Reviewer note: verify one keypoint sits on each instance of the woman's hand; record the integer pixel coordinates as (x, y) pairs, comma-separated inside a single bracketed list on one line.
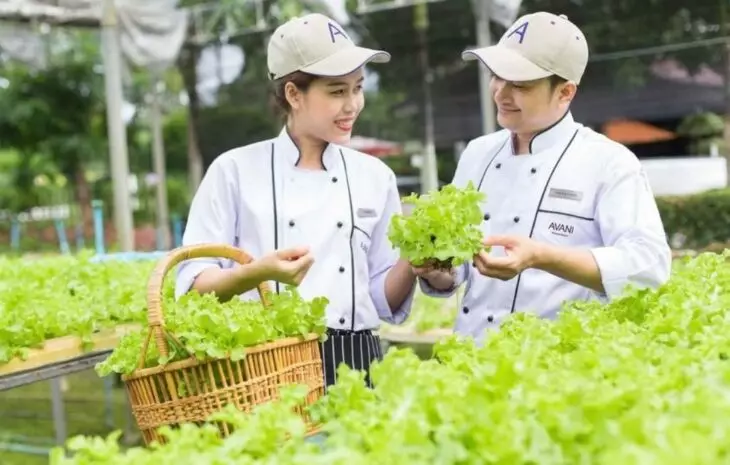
[(287, 266), (436, 278)]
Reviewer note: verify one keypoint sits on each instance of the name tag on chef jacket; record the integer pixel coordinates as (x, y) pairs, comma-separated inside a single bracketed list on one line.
[(565, 194), (366, 213)]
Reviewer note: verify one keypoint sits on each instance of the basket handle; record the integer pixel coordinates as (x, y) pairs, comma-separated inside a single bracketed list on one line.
[(155, 317)]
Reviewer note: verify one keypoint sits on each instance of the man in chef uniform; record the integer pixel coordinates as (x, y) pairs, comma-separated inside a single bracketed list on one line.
[(569, 214)]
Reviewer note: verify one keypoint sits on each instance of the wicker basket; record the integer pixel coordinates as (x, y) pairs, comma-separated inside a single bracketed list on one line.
[(190, 390)]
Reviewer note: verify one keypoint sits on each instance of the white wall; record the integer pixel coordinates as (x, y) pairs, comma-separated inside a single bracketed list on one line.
[(685, 175)]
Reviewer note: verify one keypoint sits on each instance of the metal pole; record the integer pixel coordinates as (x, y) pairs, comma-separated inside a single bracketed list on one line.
[(119, 160), (725, 28), (177, 232), (15, 234), (429, 167), (97, 209), (484, 39), (59, 414), (158, 156), (61, 233)]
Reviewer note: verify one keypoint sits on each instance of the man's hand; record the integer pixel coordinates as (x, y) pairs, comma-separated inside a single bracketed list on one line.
[(287, 266), (521, 253)]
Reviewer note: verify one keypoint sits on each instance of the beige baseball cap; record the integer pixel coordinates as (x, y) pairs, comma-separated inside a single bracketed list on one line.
[(318, 45), (536, 46)]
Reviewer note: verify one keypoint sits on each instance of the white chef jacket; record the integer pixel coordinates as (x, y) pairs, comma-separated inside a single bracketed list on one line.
[(575, 188), (256, 198)]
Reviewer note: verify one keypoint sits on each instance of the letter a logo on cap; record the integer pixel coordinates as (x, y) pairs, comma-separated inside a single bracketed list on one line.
[(520, 31), (335, 31)]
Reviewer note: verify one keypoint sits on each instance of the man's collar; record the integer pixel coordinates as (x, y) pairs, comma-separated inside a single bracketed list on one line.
[(288, 149), (559, 133)]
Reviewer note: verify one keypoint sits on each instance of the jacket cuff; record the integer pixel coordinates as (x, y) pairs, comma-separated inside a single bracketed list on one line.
[(189, 271), (391, 316), (610, 265)]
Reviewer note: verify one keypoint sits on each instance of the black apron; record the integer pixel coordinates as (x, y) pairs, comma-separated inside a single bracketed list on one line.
[(357, 349)]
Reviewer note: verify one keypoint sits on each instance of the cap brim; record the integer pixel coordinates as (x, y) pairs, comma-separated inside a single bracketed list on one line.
[(506, 63), (346, 61)]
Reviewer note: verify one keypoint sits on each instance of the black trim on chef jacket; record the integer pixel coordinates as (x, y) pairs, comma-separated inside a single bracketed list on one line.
[(363, 346), (362, 231), (538, 210), (276, 216), (484, 173), (273, 188), (539, 133), (509, 138), (299, 158), (352, 233), (352, 224), (578, 217)]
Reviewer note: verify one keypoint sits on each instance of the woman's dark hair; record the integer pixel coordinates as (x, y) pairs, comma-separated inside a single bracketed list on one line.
[(278, 101), (555, 81)]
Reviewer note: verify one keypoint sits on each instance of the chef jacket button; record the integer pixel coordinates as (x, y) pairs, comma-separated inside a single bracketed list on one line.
[(498, 165), (339, 224), (342, 321), (490, 318), (334, 178), (533, 170), (465, 310), (291, 222), (486, 217), (517, 219), (342, 269)]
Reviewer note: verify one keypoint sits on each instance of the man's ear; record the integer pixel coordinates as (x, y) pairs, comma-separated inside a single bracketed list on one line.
[(567, 91)]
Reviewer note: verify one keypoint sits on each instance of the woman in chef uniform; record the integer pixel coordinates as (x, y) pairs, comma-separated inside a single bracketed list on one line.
[(314, 213)]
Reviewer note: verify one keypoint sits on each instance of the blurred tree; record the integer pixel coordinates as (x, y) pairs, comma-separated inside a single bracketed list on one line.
[(705, 131), (609, 26), (58, 113), (176, 143), (377, 120), (451, 30), (625, 37), (241, 114), (27, 180), (220, 21), (694, 34), (646, 31)]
